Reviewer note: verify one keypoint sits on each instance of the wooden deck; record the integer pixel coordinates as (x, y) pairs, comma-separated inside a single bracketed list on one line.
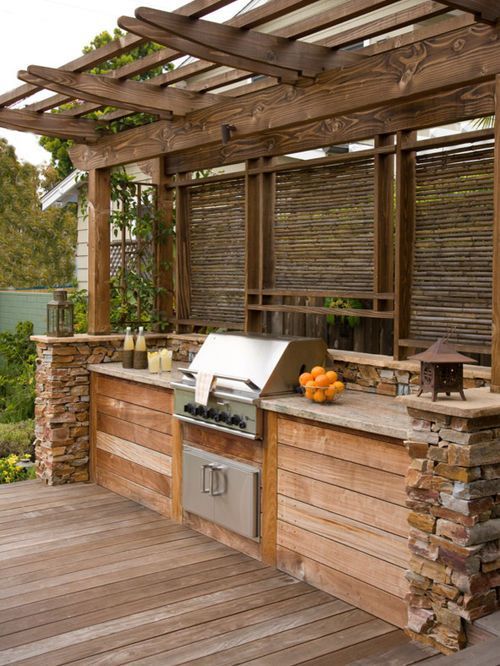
[(89, 577)]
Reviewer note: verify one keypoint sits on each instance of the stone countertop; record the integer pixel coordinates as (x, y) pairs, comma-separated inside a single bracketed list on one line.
[(142, 376), (377, 414), (479, 402)]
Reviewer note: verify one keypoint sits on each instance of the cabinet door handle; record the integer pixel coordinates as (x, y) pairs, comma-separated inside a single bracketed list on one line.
[(203, 488), (214, 476)]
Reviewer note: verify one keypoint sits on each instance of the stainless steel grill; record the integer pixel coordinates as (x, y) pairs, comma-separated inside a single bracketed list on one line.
[(245, 367)]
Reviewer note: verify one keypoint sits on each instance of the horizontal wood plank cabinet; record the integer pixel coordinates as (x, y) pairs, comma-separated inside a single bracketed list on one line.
[(131, 447), (341, 518)]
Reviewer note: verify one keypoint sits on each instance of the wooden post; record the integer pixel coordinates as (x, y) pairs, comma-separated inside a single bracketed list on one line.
[(405, 234), (99, 197), (495, 339), (164, 243), (182, 264), (270, 489)]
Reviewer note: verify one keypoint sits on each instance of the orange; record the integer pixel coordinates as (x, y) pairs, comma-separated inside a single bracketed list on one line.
[(322, 380), (317, 370), (305, 377), (332, 376), (310, 389), (319, 396), (339, 386), (330, 393)]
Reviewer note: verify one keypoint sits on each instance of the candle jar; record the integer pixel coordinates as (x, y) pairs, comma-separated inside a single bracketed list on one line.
[(166, 360), (154, 362)]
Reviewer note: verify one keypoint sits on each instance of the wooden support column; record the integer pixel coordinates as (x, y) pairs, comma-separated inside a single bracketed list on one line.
[(405, 236), (164, 242), (260, 197), (383, 250), (182, 264), (495, 341), (99, 197)]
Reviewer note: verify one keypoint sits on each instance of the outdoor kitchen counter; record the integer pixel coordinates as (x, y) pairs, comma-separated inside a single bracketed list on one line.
[(141, 376), (366, 412)]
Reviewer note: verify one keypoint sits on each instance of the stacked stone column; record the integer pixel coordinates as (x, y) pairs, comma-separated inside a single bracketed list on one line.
[(453, 487)]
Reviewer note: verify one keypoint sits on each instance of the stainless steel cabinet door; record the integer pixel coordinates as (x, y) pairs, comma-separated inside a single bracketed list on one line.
[(196, 497), (236, 492)]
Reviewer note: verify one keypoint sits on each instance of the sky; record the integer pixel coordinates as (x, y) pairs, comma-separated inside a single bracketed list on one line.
[(53, 32)]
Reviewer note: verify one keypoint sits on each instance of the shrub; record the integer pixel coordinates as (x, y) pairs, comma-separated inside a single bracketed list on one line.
[(10, 473), (17, 374), (16, 438)]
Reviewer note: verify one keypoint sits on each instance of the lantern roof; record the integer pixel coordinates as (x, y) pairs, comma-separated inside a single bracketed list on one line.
[(442, 352)]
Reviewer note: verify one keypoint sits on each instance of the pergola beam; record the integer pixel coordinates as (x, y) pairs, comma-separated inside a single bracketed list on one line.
[(268, 49), (431, 66), (483, 10), (125, 94), (52, 125)]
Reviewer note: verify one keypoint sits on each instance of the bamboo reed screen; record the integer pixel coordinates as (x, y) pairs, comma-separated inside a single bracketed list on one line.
[(323, 227), (217, 250), (452, 275)]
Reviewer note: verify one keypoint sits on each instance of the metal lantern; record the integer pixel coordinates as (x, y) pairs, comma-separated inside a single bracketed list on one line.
[(441, 369), (60, 315)]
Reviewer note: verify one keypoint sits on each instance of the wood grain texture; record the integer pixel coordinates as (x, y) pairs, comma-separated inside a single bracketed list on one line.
[(136, 393), (365, 449), (164, 246), (133, 471), (99, 201), (434, 65), (240, 543), (495, 342), (385, 605), (345, 502), (135, 414), (134, 491), (151, 439), (223, 444), (269, 490), (482, 9), (177, 433), (134, 452), (82, 131)]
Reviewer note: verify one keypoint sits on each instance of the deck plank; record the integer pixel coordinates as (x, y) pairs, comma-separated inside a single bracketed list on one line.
[(91, 577)]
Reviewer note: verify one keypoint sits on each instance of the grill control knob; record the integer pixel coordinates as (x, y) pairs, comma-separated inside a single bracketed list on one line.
[(201, 411), (211, 414), (242, 424), (235, 420), (220, 416), (190, 408)]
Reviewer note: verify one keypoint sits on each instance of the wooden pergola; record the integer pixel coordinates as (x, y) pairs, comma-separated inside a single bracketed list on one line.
[(286, 76)]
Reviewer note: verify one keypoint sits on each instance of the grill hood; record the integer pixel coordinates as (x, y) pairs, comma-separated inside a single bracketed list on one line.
[(257, 364)]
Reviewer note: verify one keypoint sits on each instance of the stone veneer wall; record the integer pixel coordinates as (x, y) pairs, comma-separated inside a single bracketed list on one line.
[(382, 375), (62, 397), (453, 487)]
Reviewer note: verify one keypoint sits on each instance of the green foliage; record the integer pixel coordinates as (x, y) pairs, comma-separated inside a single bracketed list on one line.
[(9, 472), (58, 148), (343, 303), (16, 438), (79, 298), (36, 247), (17, 374)]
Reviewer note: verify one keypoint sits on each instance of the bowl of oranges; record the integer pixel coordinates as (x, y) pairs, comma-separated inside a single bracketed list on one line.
[(320, 385)]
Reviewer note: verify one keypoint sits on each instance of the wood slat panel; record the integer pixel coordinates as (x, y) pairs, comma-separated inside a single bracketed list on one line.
[(148, 458), (383, 604), (125, 469), (134, 491), (151, 439), (134, 414), (345, 502), (354, 563), (225, 536), (363, 449), (452, 274), (364, 538), (358, 478), (217, 250), (136, 393), (223, 444), (320, 229)]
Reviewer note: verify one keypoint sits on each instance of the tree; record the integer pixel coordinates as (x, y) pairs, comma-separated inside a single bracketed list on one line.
[(58, 148), (36, 247)]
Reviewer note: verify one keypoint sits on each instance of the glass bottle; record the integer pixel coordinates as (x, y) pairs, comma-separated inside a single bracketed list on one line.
[(140, 352), (128, 349)]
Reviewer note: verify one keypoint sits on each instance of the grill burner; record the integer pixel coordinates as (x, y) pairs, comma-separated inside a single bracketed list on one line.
[(246, 367)]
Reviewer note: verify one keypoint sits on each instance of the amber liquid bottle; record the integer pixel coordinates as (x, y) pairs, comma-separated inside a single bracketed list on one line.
[(128, 349), (140, 352)]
